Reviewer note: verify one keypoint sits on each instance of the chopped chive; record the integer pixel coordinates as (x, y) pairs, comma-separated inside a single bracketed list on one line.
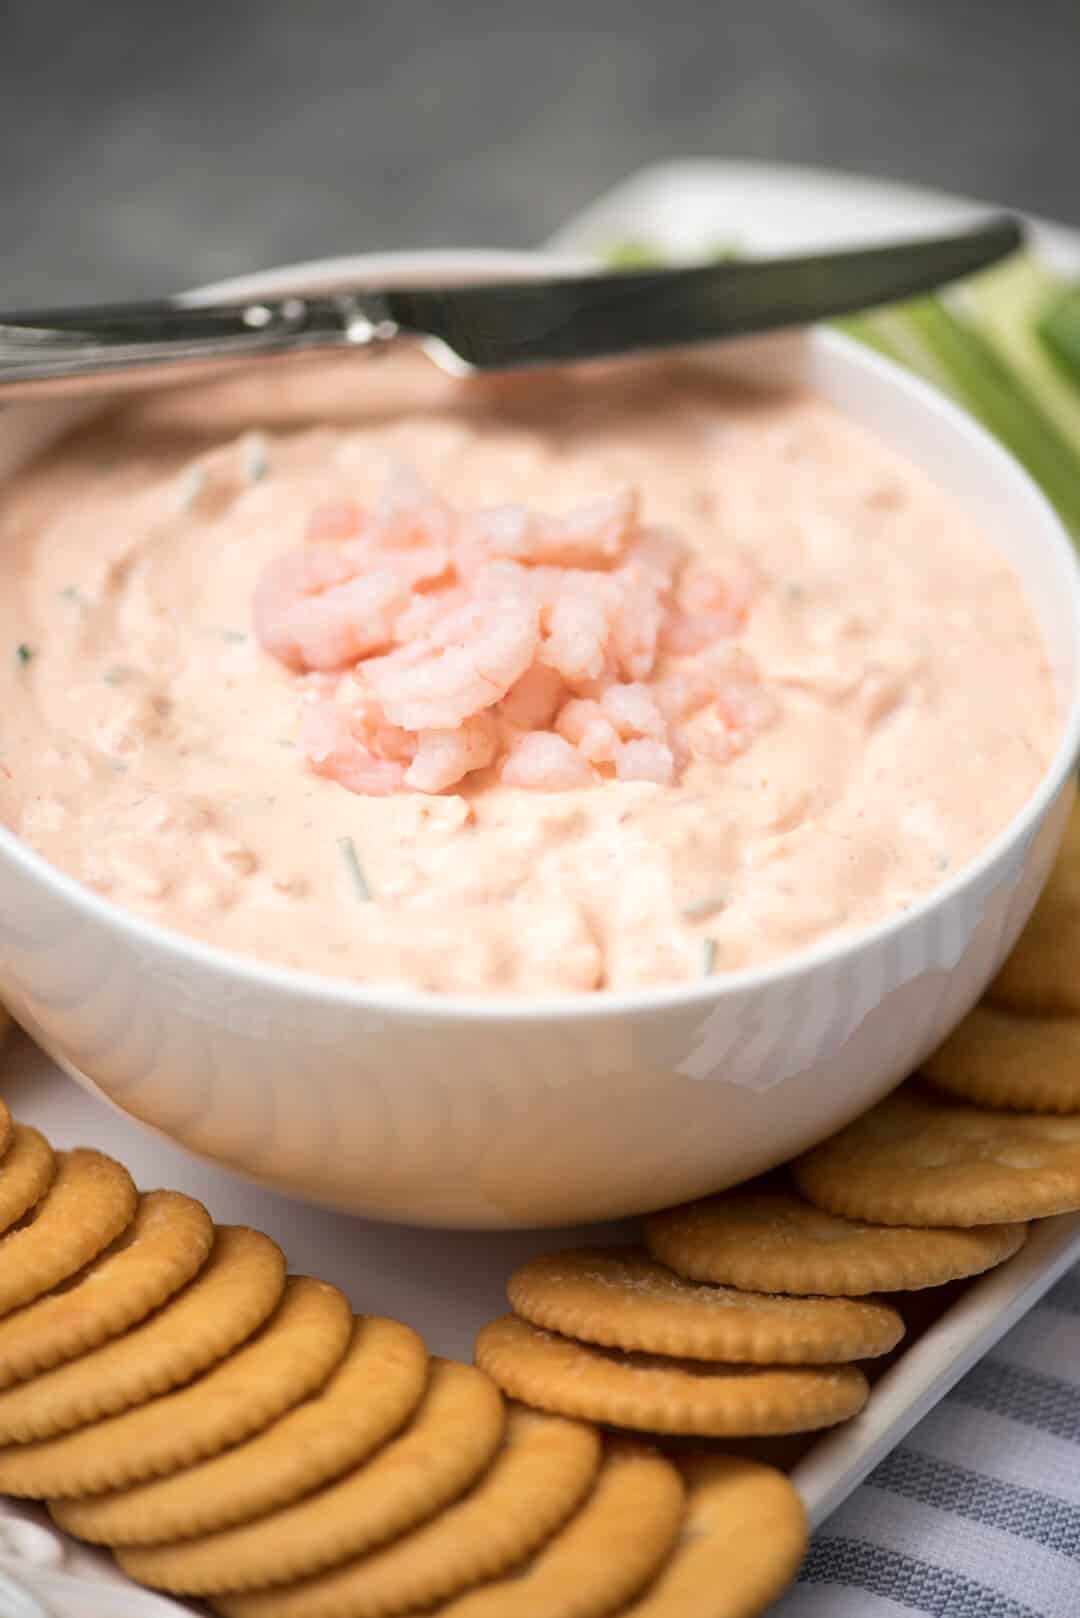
[(233, 635), (116, 675), (257, 458), (708, 965), (69, 593), (24, 653), (191, 486), (355, 869)]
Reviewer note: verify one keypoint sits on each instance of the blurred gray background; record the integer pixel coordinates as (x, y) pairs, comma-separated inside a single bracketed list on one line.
[(149, 144)]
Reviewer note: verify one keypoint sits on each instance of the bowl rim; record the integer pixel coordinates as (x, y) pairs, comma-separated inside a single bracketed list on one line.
[(707, 992)]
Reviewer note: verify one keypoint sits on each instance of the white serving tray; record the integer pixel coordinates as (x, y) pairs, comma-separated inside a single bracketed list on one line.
[(446, 1283)]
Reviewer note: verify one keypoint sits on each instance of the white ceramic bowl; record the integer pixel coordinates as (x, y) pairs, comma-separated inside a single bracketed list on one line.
[(469, 1111)]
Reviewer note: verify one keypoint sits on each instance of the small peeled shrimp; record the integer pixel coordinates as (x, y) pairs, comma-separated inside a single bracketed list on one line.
[(545, 763), (533, 701), (314, 610), (444, 757), (425, 611), (645, 759), (507, 638), (599, 728), (576, 614), (683, 693), (324, 606), (334, 749), (409, 515), (633, 711), (587, 727), (659, 554), (743, 706), (467, 661), (638, 622), (592, 536), (710, 608)]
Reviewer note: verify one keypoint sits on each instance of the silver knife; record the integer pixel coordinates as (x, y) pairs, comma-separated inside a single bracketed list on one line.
[(484, 326)]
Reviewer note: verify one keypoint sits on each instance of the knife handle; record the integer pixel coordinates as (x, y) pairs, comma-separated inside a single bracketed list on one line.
[(115, 347)]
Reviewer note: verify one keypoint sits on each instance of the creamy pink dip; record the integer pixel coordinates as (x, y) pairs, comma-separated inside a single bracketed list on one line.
[(887, 705)]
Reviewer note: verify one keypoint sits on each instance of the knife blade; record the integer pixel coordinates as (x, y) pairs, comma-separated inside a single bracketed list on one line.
[(590, 317), (488, 325)]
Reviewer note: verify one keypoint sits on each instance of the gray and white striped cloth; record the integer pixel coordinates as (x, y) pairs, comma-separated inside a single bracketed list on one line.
[(977, 1513)]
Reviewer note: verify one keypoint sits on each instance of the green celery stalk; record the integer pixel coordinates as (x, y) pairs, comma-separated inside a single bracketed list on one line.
[(1059, 328), (872, 331), (1009, 303), (892, 333), (984, 381)]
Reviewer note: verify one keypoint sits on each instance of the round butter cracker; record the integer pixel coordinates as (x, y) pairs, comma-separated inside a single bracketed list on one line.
[(238, 1287), (626, 1300), (27, 1169), (743, 1539), (544, 1467), (373, 1392), (290, 1357), (767, 1240), (1024, 1064), (649, 1394), (91, 1200), (608, 1551), (919, 1158), (449, 1442), (167, 1243), (1041, 977)]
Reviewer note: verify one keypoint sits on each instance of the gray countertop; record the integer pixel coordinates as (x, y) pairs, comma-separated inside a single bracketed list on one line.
[(146, 145)]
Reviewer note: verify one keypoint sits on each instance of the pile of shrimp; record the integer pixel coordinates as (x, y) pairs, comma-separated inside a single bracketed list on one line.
[(559, 651)]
